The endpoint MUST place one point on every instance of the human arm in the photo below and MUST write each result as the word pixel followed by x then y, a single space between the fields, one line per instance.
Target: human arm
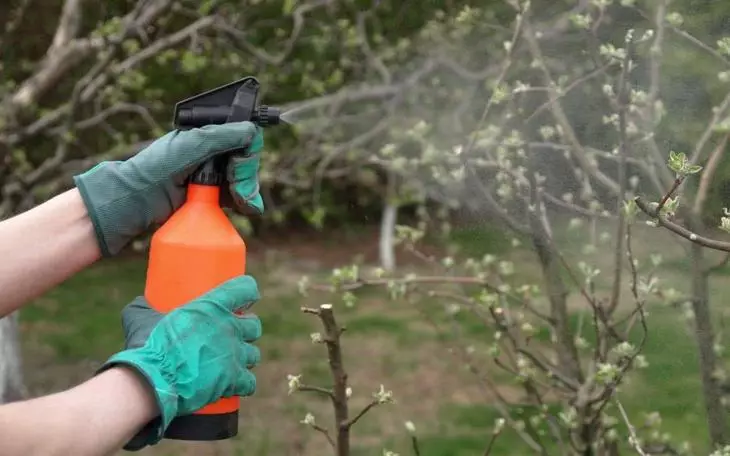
pixel 94 418
pixel 43 247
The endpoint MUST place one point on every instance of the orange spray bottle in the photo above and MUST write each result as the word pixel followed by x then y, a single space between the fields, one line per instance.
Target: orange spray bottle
pixel 198 248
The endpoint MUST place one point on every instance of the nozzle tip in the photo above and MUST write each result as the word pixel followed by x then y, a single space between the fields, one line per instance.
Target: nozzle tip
pixel 267 115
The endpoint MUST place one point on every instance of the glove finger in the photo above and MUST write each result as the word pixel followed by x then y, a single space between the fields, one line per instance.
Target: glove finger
pixel 250 327
pixel 243 184
pixel 256 144
pixel 245 383
pixel 138 321
pixel 199 144
pixel 252 207
pixel 181 151
pixel 237 294
pixel 253 356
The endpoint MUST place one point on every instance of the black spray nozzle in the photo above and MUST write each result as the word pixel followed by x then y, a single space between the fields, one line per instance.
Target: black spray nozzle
pixel 234 102
pixel 199 116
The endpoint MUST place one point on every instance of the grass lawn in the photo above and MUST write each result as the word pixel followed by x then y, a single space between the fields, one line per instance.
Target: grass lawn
pixel 69 331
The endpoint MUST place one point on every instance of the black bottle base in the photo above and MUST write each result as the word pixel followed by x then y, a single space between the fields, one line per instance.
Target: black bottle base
pixel 203 427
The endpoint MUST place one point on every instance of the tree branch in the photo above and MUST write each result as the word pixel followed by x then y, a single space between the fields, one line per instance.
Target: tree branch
pixel 298 16
pixel 146 53
pixel 579 153
pixel 339 376
pixel 68 25
pixel 57 64
pixel 680 230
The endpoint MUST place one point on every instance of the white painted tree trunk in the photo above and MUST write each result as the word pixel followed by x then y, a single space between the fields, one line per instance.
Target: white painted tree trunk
pixel 12 387
pixel 388 221
pixel 387 236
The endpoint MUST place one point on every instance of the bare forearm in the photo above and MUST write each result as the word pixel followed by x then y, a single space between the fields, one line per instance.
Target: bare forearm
pixel 95 418
pixel 43 247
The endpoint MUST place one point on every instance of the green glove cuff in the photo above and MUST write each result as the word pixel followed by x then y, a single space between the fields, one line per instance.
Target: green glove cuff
pixel 81 183
pixel 121 204
pixel 147 366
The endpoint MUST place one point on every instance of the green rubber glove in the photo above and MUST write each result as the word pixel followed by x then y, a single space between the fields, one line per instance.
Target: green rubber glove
pixel 125 198
pixel 194 355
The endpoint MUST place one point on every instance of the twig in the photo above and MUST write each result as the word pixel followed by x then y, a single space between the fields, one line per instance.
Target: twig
pixel 362 413
pixel 317 389
pixel 490 445
pixel 624 100
pixel 326 434
pixel 634 440
pixel 459 280
pixel 415 445
pixel 561 118
pixel 675 185
pixel 680 230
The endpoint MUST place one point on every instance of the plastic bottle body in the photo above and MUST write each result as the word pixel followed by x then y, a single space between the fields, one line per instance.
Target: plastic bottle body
pixel 197 249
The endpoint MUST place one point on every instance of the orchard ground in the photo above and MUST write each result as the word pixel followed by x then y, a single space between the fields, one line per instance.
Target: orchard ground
pixel 69 331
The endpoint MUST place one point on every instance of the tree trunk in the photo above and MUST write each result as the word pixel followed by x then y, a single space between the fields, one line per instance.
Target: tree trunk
pixel 387 235
pixel 567 353
pixel 387 224
pixel 12 387
pixel 716 416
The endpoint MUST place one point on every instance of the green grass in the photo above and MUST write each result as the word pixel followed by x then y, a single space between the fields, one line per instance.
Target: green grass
pixel 373 324
pixel 476 417
pixel 82 317
pixel 281 317
pixel 671 385
pixel 476 241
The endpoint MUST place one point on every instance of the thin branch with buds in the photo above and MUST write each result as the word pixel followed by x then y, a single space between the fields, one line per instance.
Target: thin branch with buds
pixel 340 392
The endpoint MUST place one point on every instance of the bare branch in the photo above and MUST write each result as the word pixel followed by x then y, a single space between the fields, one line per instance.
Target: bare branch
pixel 634 439
pixel 339 376
pixel 68 25
pixel 361 413
pixel 680 230
pixel 51 70
pixel 299 20
pixel 317 389
pixel 146 53
pixel 490 445
pixel 325 433
pixel 624 99
pixel 57 64
pixel 579 153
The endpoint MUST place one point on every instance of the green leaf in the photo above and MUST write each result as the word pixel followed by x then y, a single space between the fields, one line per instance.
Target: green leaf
pixel 692 169
pixel 677 161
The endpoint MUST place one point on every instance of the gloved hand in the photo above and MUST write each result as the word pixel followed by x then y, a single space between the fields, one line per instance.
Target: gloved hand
pixel 194 355
pixel 124 198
